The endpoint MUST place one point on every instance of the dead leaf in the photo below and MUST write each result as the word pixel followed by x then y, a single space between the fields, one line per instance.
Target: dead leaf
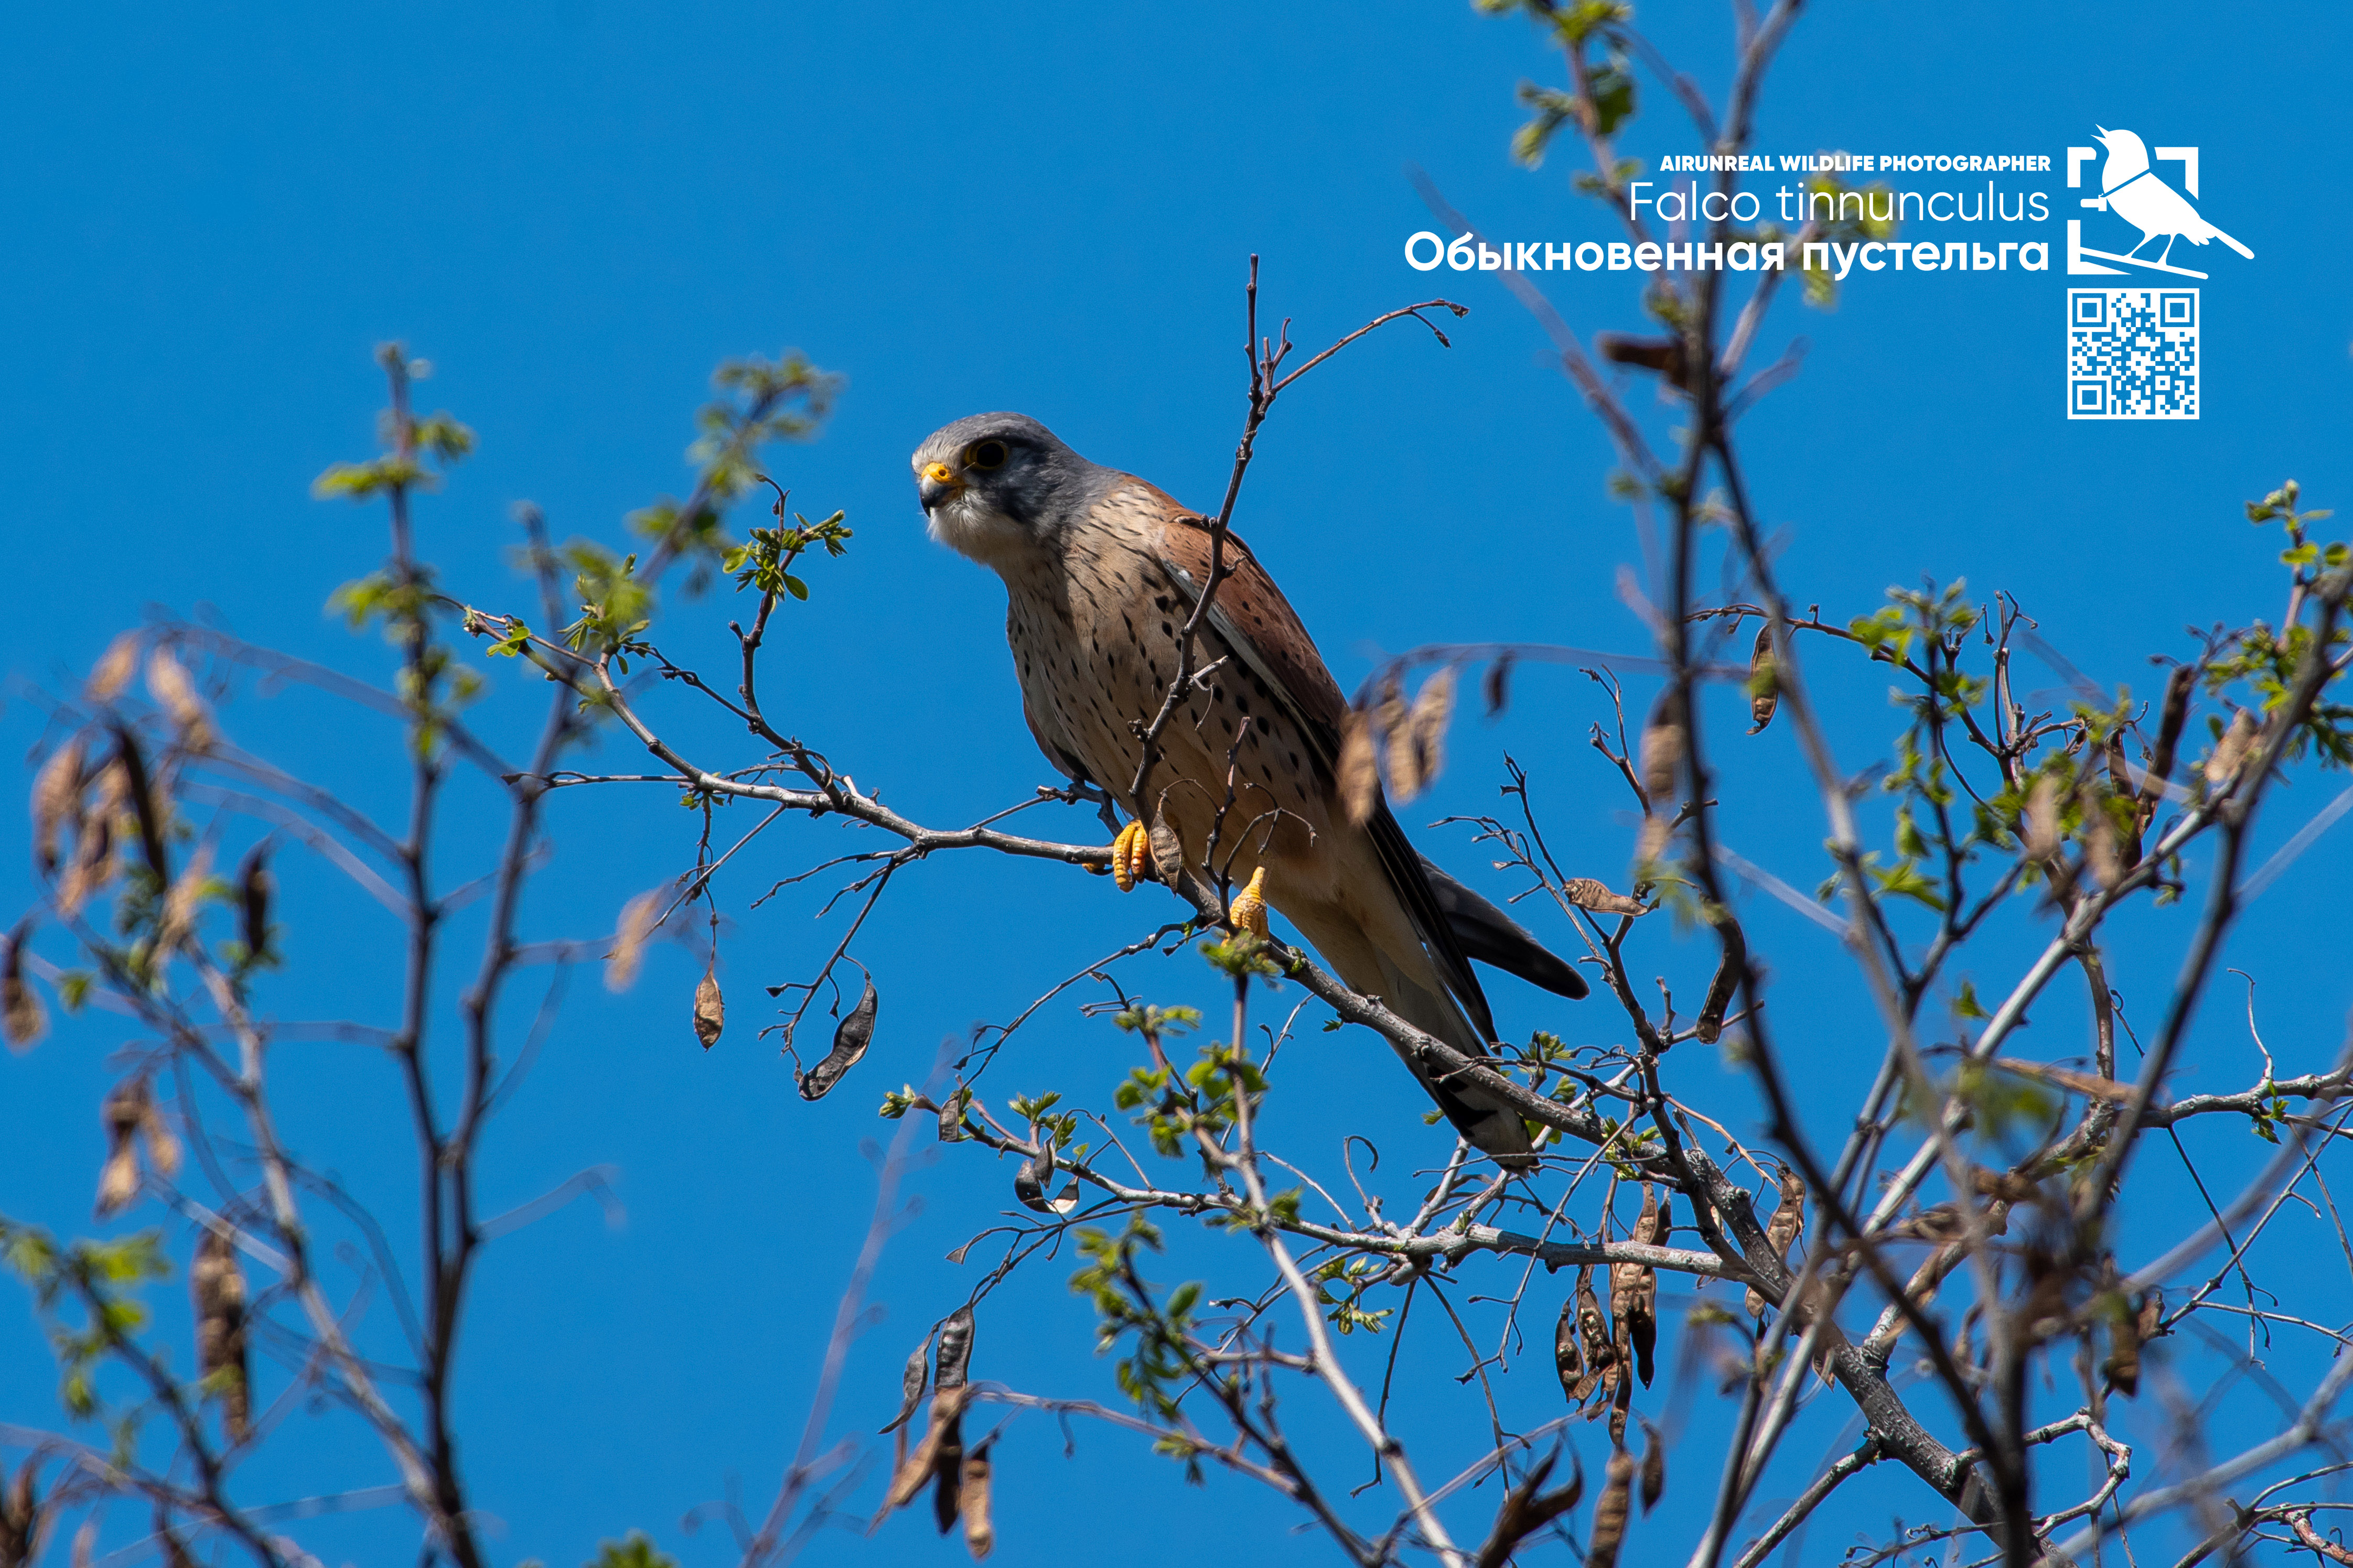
pixel 710 1010
pixel 850 1038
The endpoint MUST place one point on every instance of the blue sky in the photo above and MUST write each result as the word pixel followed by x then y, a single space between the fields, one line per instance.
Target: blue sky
pixel 576 210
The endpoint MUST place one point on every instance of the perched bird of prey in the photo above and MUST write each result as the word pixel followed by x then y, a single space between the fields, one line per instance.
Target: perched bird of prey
pixel 1101 573
pixel 2130 189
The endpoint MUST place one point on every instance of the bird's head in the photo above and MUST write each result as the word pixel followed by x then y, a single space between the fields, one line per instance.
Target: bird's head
pixel 2127 151
pixel 997 486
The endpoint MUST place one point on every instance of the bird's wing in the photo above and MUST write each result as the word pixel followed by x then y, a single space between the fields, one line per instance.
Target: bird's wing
pixel 1253 618
pixel 1491 936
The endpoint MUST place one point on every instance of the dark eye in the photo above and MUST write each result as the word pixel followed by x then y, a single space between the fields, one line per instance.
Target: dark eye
pixel 985 454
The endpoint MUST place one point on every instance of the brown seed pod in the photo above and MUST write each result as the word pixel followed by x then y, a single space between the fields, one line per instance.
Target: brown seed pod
pixel 1764 681
pixel 850 1038
pixel 218 1286
pixel 1586 893
pixel 1654 1469
pixel 1709 1026
pixel 1596 1340
pixel 710 1010
pixel 1609 1512
pixel 630 934
pixel 93 864
pixel 956 1349
pixel 1394 722
pixel 1433 705
pixel 1497 687
pixel 972 1502
pixel 113 671
pixel 22 1018
pixel 125 1108
pixel 174 691
pixel 20 1515
pixel 2176 711
pixel 255 887
pixel 952 1116
pixel 2041 818
pixel 1788 1223
pixel 183 902
pixel 911 1383
pixel 2231 752
pixel 1665 739
pixel 943 1429
pixel 1360 782
pixel 146 812
pixel 1566 1360
pixel 947 1469
pixel 56 802
pixel 1528 1507
pixel 1029 1185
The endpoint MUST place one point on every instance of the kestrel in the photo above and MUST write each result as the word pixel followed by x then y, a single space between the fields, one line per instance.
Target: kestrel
pixel 1101 572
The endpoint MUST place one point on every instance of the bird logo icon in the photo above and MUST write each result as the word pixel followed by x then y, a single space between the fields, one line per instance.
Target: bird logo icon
pixel 2131 188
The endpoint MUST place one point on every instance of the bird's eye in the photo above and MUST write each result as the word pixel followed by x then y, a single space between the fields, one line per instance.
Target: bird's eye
pixel 985 454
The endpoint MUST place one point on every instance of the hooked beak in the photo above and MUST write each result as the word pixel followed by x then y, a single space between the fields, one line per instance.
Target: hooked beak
pixel 935 484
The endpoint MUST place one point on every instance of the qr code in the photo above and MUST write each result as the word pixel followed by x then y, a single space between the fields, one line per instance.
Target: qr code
pixel 2132 354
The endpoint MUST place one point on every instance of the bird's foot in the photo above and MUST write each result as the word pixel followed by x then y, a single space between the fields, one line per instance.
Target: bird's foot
pixel 1131 857
pixel 1248 911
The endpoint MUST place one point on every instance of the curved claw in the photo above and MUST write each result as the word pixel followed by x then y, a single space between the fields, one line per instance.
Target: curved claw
pixel 1130 857
pixel 1249 910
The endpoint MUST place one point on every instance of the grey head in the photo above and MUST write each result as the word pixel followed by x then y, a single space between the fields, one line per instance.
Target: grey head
pixel 1000 488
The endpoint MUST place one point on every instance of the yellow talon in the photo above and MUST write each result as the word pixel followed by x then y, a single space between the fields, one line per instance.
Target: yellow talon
pixel 1249 910
pixel 1131 854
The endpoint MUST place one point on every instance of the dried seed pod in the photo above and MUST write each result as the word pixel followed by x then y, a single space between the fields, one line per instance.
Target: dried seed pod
pixel 1609 1512
pixel 2101 851
pixel 956 1349
pixel 2176 711
pixel 1586 893
pixel 1654 1469
pixel 912 1385
pixel 2119 771
pixel 1029 1187
pixel 56 802
pixel 1394 722
pixel 1764 681
pixel 630 934
pixel 850 1038
pixel 21 1516
pixel 943 1429
pixel 1709 1026
pixel 1788 1223
pixel 1497 687
pixel 1596 1340
pixel 1360 783
pixel 947 1470
pixel 174 691
pixel 1664 739
pixel 2122 1369
pixel 182 903
pixel 218 1287
pixel 1566 1360
pixel 22 1019
pixel 1167 852
pixel 1526 1509
pixel 1433 705
pixel 972 1502
pixel 163 1144
pixel 94 859
pixel 2041 818
pixel 710 1010
pixel 2231 752
pixel 113 671
pixel 125 1108
pixel 255 887
pixel 146 812
pixel 952 1115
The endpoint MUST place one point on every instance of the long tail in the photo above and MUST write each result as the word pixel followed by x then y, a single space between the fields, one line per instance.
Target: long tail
pixel 1408 984
pixel 2234 243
